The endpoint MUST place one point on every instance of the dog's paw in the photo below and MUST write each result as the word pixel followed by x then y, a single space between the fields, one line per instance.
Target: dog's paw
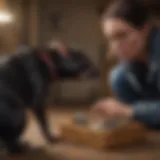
pixel 53 139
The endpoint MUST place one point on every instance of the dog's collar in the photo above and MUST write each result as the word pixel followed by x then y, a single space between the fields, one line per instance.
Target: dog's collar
pixel 46 58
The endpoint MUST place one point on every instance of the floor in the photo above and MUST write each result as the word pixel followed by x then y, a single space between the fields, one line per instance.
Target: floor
pixel 62 151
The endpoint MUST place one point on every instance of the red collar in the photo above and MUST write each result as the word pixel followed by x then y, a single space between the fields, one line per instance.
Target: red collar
pixel 47 59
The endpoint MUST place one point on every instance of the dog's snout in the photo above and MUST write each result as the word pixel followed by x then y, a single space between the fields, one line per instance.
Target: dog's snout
pixel 93 73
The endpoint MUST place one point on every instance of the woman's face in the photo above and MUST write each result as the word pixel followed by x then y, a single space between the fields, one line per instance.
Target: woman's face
pixel 125 42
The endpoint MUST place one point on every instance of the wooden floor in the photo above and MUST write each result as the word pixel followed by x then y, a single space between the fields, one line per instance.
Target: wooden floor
pixel 62 151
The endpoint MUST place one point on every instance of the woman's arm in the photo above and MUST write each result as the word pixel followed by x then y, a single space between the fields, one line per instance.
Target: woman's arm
pixel 148 113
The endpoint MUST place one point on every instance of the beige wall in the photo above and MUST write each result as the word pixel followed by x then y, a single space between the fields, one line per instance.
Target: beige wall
pixel 80 28
pixel 10 33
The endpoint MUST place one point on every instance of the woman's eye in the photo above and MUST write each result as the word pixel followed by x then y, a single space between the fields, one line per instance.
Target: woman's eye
pixel 117 37
pixel 121 35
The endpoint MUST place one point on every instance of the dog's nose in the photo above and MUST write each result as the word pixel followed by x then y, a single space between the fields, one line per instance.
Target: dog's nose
pixel 91 73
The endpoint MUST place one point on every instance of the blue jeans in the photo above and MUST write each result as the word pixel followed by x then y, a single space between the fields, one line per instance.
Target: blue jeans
pixel 129 85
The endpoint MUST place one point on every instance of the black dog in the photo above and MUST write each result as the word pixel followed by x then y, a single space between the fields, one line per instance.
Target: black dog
pixel 24 81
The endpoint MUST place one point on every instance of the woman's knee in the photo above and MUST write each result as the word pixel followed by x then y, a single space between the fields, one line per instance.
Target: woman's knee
pixel 121 86
pixel 118 78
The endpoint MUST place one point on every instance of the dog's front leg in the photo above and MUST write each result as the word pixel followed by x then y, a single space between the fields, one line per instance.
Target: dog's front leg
pixel 40 112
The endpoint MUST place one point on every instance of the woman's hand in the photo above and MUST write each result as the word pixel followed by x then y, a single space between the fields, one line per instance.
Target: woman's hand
pixel 111 108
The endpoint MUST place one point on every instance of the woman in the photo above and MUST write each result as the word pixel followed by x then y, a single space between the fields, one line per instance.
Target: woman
pixel 136 80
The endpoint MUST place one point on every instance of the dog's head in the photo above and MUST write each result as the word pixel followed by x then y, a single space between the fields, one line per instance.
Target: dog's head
pixel 73 65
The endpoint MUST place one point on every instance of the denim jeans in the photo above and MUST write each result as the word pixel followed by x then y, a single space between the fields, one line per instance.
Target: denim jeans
pixel 129 84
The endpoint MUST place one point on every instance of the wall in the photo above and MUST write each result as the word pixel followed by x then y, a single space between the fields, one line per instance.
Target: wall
pixel 10 33
pixel 80 27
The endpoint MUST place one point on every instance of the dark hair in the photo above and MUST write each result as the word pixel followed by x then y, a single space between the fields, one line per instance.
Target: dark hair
pixel 131 11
